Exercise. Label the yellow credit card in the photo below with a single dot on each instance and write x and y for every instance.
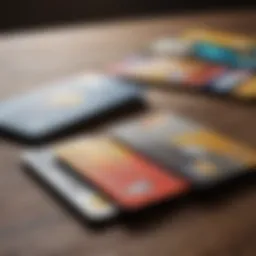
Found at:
(206, 142)
(246, 90)
(239, 42)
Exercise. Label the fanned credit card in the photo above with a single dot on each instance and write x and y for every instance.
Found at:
(89, 202)
(126, 177)
(201, 155)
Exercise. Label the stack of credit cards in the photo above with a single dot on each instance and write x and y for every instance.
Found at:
(212, 61)
(100, 178)
(63, 104)
(145, 161)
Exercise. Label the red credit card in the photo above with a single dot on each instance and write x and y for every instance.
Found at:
(205, 75)
(129, 179)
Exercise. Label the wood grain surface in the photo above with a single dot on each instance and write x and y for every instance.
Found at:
(32, 223)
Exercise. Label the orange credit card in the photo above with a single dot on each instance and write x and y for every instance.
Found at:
(126, 177)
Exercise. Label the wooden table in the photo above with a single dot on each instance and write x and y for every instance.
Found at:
(32, 223)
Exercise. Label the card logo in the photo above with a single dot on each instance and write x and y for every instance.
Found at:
(229, 80)
(140, 187)
(65, 99)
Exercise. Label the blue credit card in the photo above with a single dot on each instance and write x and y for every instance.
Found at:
(62, 104)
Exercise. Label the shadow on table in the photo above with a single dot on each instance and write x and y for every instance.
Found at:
(164, 212)
(204, 199)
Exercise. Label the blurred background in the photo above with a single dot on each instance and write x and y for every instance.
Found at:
(35, 13)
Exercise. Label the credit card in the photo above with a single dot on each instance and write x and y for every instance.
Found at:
(83, 198)
(248, 61)
(217, 54)
(229, 80)
(195, 152)
(201, 78)
(130, 180)
(169, 71)
(223, 55)
(247, 90)
(63, 104)
(153, 70)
